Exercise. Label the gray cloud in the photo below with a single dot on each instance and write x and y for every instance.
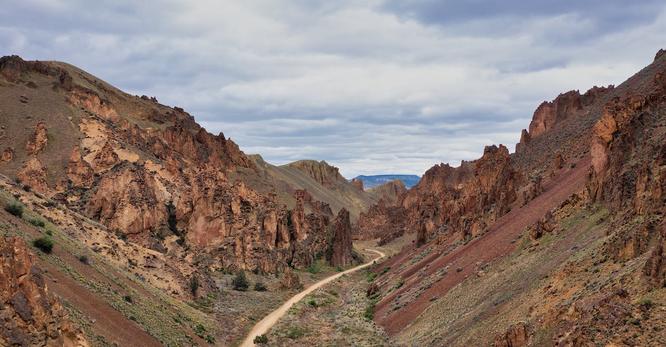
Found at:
(379, 87)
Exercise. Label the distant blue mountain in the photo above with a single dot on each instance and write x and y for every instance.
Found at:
(377, 180)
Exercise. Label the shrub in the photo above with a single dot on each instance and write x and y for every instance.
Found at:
(260, 339)
(128, 298)
(646, 304)
(313, 303)
(240, 282)
(37, 222)
(44, 244)
(369, 312)
(210, 339)
(295, 333)
(84, 259)
(314, 268)
(371, 277)
(194, 285)
(260, 287)
(49, 232)
(15, 208)
(27, 188)
(200, 330)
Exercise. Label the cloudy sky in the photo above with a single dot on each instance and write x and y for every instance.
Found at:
(379, 86)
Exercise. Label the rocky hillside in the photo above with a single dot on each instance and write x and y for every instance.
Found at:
(321, 180)
(31, 315)
(145, 170)
(560, 243)
(154, 196)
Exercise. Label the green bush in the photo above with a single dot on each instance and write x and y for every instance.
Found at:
(84, 259)
(260, 287)
(240, 282)
(210, 339)
(369, 312)
(128, 298)
(260, 339)
(15, 208)
(44, 244)
(313, 303)
(37, 222)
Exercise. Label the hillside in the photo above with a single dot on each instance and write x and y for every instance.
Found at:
(321, 180)
(560, 243)
(150, 216)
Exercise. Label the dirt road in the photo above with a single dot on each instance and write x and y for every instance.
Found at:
(265, 324)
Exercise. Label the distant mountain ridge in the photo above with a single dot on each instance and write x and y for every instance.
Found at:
(372, 181)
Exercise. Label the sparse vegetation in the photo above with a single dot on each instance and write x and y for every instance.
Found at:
(371, 277)
(44, 244)
(260, 287)
(314, 268)
(295, 332)
(15, 208)
(37, 222)
(240, 282)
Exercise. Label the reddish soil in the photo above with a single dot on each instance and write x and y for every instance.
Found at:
(108, 322)
(499, 241)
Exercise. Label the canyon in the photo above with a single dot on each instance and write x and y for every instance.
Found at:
(159, 228)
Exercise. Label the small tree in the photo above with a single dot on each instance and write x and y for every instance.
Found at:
(240, 282)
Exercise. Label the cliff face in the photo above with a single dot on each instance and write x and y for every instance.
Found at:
(149, 172)
(577, 212)
(30, 315)
(454, 203)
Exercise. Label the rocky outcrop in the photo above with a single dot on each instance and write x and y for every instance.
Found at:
(357, 183)
(320, 171)
(7, 155)
(38, 140)
(30, 315)
(515, 336)
(464, 200)
(458, 203)
(79, 172)
(551, 113)
(655, 267)
(391, 192)
(341, 243)
(33, 175)
(383, 220)
(629, 153)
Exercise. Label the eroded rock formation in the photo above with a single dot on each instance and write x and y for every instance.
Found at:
(341, 244)
(30, 315)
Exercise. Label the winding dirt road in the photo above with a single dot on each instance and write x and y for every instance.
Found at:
(265, 324)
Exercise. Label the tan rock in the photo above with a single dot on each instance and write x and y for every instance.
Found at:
(38, 140)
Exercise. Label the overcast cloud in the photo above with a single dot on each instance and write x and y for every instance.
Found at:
(372, 87)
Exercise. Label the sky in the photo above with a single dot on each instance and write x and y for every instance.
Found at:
(372, 87)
